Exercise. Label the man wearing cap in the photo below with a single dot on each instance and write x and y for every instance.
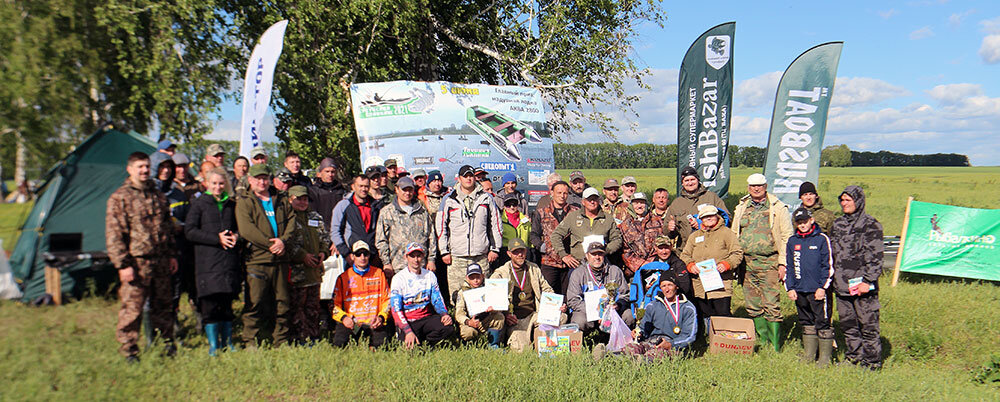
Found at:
(294, 165)
(763, 225)
(577, 185)
(514, 224)
(417, 305)
(685, 207)
(402, 222)
(664, 252)
(310, 245)
(611, 198)
(420, 181)
(375, 188)
(568, 237)
(629, 186)
(283, 180)
(595, 274)
(435, 193)
(715, 242)
(480, 173)
(354, 218)
(326, 190)
(468, 229)
(487, 185)
(215, 154)
(258, 155)
(811, 201)
(182, 176)
(390, 174)
(639, 233)
(489, 322)
(524, 293)
(509, 183)
(661, 201)
(164, 150)
(544, 220)
(267, 222)
(361, 301)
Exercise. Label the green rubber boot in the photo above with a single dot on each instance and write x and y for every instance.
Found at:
(810, 343)
(774, 331)
(825, 348)
(760, 324)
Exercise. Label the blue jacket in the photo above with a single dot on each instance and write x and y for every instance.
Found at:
(659, 322)
(809, 263)
(639, 294)
(347, 227)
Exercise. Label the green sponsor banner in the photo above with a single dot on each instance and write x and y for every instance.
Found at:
(952, 241)
(704, 108)
(798, 123)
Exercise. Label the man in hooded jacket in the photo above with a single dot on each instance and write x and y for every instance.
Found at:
(857, 254)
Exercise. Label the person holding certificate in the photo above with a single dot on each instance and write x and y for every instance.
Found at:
(473, 323)
(714, 244)
(526, 285)
(594, 277)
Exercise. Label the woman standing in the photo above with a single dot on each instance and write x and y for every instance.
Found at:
(714, 241)
(211, 227)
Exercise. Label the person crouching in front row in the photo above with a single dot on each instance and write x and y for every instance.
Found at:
(417, 306)
(489, 322)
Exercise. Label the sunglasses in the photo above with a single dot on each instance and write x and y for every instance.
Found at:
(361, 253)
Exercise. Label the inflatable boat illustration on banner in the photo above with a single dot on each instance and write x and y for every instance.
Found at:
(501, 131)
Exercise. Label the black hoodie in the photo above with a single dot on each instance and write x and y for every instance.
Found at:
(857, 245)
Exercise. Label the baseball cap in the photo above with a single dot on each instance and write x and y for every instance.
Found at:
(214, 149)
(466, 169)
(257, 151)
(610, 183)
(405, 182)
(504, 197)
(414, 246)
(590, 192)
(372, 172)
(298, 191)
(664, 240)
(359, 245)
(180, 159)
(639, 195)
(628, 180)
(801, 214)
(478, 170)
(418, 173)
(689, 171)
(576, 175)
(508, 177)
(434, 175)
(284, 175)
(401, 171)
(259, 169)
(595, 246)
(164, 145)
(327, 162)
(516, 244)
(389, 163)
(757, 179)
(707, 210)
(473, 269)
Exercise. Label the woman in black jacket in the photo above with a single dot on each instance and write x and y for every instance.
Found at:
(211, 227)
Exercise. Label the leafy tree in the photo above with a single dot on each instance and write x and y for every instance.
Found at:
(836, 156)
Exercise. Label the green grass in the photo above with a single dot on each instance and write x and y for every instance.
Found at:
(886, 188)
(935, 347)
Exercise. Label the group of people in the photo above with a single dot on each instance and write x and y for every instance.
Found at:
(413, 247)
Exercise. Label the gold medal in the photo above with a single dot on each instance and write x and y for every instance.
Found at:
(522, 295)
(677, 330)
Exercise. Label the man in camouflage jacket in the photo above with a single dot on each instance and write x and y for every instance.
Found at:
(639, 232)
(309, 247)
(404, 221)
(140, 243)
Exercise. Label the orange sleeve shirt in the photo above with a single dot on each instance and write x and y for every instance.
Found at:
(361, 297)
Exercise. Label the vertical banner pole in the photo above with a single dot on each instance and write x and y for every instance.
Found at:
(902, 242)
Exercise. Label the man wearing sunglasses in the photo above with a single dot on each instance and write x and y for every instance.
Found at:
(361, 301)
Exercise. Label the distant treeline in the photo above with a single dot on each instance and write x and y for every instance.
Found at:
(607, 155)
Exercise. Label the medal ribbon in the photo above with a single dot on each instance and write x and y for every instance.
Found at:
(520, 282)
(675, 314)
(591, 272)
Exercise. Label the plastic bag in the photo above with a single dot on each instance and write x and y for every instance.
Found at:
(619, 333)
(332, 268)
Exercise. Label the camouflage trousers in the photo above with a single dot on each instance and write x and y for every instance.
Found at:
(305, 313)
(762, 287)
(267, 304)
(456, 273)
(154, 283)
(491, 320)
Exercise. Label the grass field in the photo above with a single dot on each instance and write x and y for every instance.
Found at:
(938, 335)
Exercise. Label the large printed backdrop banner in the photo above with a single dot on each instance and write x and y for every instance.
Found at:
(952, 241)
(443, 125)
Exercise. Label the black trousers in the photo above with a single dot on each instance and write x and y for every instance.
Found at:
(216, 307)
(429, 330)
(557, 277)
(714, 307)
(812, 312)
(376, 337)
(860, 323)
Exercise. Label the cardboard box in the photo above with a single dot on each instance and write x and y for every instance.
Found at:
(564, 341)
(731, 335)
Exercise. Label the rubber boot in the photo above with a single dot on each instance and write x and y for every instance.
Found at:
(809, 343)
(825, 348)
(760, 324)
(774, 330)
(707, 323)
(212, 332)
(226, 333)
(147, 327)
(495, 336)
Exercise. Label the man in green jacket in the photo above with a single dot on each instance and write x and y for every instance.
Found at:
(811, 201)
(266, 220)
(588, 221)
(309, 248)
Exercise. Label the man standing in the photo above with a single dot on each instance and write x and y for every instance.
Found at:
(326, 190)
(611, 199)
(140, 241)
(283, 181)
(294, 165)
(524, 293)
(309, 249)
(568, 237)
(182, 176)
(763, 225)
(391, 174)
(266, 220)
(400, 223)
(544, 220)
(639, 233)
(550, 181)
(577, 183)
(215, 154)
(857, 255)
(661, 200)
(629, 186)
(164, 150)
(693, 195)
(258, 155)
(597, 274)
(811, 201)
(435, 192)
(417, 305)
(354, 219)
(420, 183)
(468, 229)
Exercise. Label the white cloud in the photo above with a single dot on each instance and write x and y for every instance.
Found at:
(756, 92)
(863, 90)
(990, 49)
(955, 20)
(922, 33)
(991, 26)
(888, 13)
(950, 94)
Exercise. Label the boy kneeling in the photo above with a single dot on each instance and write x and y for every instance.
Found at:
(488, 323)
(810, 272)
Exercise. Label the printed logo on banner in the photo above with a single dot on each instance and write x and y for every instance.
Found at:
(717, 50)
(537, 177)
(476, 152)
(414, 101)
(539, 161)
(535, 195)
(423, 160)
(498, 166)
(373, 160)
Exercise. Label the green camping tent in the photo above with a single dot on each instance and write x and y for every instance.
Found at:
(71, 202)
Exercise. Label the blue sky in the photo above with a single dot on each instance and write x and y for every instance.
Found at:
(914, 76)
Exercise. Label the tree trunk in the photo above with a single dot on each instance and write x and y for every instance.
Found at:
(19, 159)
